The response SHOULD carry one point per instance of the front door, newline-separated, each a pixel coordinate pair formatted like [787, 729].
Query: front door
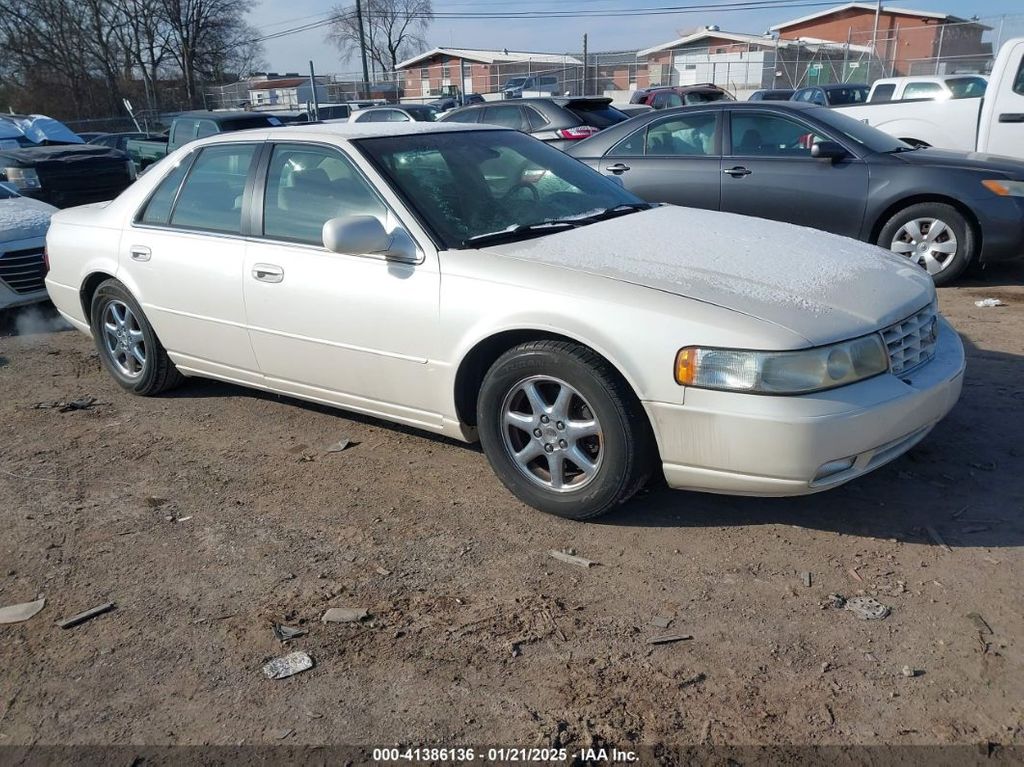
[675, 159]
[357, 331]
[768, 171]
[183, 260]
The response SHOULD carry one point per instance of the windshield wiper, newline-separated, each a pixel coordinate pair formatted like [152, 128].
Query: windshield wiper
[522, 231]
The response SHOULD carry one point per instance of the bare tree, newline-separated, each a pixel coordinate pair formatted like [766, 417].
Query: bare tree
[394, 30]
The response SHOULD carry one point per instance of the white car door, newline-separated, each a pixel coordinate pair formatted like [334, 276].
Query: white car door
[183, 259]
[1001, 130]
[357, 331]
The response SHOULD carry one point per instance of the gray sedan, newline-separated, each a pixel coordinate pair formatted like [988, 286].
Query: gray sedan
[813, 166]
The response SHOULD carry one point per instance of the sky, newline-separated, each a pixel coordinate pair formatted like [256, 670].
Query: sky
[292, 53]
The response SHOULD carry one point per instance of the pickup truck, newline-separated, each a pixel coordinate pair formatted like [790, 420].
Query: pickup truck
[43, 159]
[993, 123]
[190, 126]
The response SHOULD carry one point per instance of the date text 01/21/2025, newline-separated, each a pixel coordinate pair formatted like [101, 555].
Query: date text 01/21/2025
[502, 754]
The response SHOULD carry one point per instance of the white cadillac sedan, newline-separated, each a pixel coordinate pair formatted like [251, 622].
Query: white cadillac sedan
[474, 282]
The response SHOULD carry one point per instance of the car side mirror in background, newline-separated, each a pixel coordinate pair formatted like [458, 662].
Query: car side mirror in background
[828, 150]
[365, 235]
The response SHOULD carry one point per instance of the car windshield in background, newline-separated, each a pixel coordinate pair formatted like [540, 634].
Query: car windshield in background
[466, 185]
[848, 95]
[421, 113]
[598, 115]
[967, 87]
[860, 133]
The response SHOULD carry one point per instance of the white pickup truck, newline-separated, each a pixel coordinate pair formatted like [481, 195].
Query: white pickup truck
[992, 124]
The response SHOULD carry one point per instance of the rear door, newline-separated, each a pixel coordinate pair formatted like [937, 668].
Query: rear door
[182, 258]
[675, 159]
[768, 171]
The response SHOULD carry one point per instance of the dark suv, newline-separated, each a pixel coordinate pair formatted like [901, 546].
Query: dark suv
[558, 121]
[666, 96]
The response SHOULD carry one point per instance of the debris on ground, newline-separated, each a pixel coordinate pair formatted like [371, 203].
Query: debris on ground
[280, 734]
[934, 535]
[24, 611]
[382, 570]
[340, 445]
[154, 502]
[806, 576]
[838, 601]
[85, 403]
[910, 672]
[867, 608]
[987, 303]
[979, 623]
[289, 665]
[569, 557]
[695, 679]
[285, 633]
[344, 615]
[74, 620]
[854, 574]
[667, 638]
[183, 519]
[661, 622]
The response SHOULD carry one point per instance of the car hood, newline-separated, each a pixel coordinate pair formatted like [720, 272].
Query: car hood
[820, 286]
[946, 158]
[22, 218]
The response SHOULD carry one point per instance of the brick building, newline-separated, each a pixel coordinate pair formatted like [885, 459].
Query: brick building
[908, 41]
[477, 71]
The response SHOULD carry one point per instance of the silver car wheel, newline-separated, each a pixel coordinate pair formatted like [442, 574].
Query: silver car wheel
[928, 242]
[123, 339]
[551, 433]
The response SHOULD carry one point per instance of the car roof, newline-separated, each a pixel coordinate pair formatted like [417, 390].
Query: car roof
[347, 131]
[235, 114]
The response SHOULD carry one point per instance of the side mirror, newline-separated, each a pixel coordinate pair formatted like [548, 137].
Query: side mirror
[828, 150]
[363, 235]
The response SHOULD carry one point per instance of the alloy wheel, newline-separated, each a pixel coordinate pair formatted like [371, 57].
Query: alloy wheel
[123, 339]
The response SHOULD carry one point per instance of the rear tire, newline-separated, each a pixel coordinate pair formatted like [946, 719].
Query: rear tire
[127, 345]
[933, 235]
[563, 431]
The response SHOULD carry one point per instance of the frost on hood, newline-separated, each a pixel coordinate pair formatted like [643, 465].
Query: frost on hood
[22, 219]
[701, 253]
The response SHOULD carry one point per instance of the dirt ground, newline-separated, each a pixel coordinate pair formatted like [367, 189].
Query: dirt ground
[213, 513]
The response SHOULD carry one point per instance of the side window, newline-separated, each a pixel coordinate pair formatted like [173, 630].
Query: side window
[469, 116]
[309, 185]
[535, 118]
[767, 135]
[506, 115]
[667, 99]
[884, 92]
[922, 91]
[206, 128]
[817, 96]
[1018, 83]
[211, 197]
[158, 209]
[182, 132]
[395, 116]
[631, 146]
[689, 135]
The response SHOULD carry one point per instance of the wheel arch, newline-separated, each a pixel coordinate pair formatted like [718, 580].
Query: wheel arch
[88, 290]
[905, 202]
[478, 359]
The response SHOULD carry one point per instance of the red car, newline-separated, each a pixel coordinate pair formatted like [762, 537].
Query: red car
[665, 96]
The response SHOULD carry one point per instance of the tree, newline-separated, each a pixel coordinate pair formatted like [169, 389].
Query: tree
[393, 29]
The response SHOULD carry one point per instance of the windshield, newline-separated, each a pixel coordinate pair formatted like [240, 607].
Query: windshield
[967, 87]
[468, 184]
[859, 132]
[422, 113]
[855, 95]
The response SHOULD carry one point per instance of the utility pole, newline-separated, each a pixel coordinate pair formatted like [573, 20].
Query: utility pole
[874, 33]
[583, 92]
[362, 49]
[312, 86]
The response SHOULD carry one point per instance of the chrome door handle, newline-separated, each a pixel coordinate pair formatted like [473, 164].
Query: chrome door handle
[737, 171]
[140, 253]
[267, 272]
[617, 168]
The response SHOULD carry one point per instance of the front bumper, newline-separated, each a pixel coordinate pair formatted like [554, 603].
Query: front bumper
[745, 444]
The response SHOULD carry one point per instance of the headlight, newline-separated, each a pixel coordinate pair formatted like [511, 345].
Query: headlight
[800, 372]
[23, 179]
[1005, 188]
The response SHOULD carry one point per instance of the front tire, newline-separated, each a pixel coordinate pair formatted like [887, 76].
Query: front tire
[562, 430]
[127, 345]
[933, 235]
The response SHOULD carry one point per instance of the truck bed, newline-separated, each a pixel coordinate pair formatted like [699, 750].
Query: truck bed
[949, 124]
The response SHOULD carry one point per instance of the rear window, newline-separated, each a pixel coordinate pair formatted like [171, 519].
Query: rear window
[597, 115]
[848, 95]
[703, 97]
[967, 87]
[883, 92]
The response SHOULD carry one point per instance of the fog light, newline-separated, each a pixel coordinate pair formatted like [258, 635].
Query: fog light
[834, 467]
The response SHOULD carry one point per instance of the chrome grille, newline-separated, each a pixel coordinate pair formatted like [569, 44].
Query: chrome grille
[911, 342]
[23, 270]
